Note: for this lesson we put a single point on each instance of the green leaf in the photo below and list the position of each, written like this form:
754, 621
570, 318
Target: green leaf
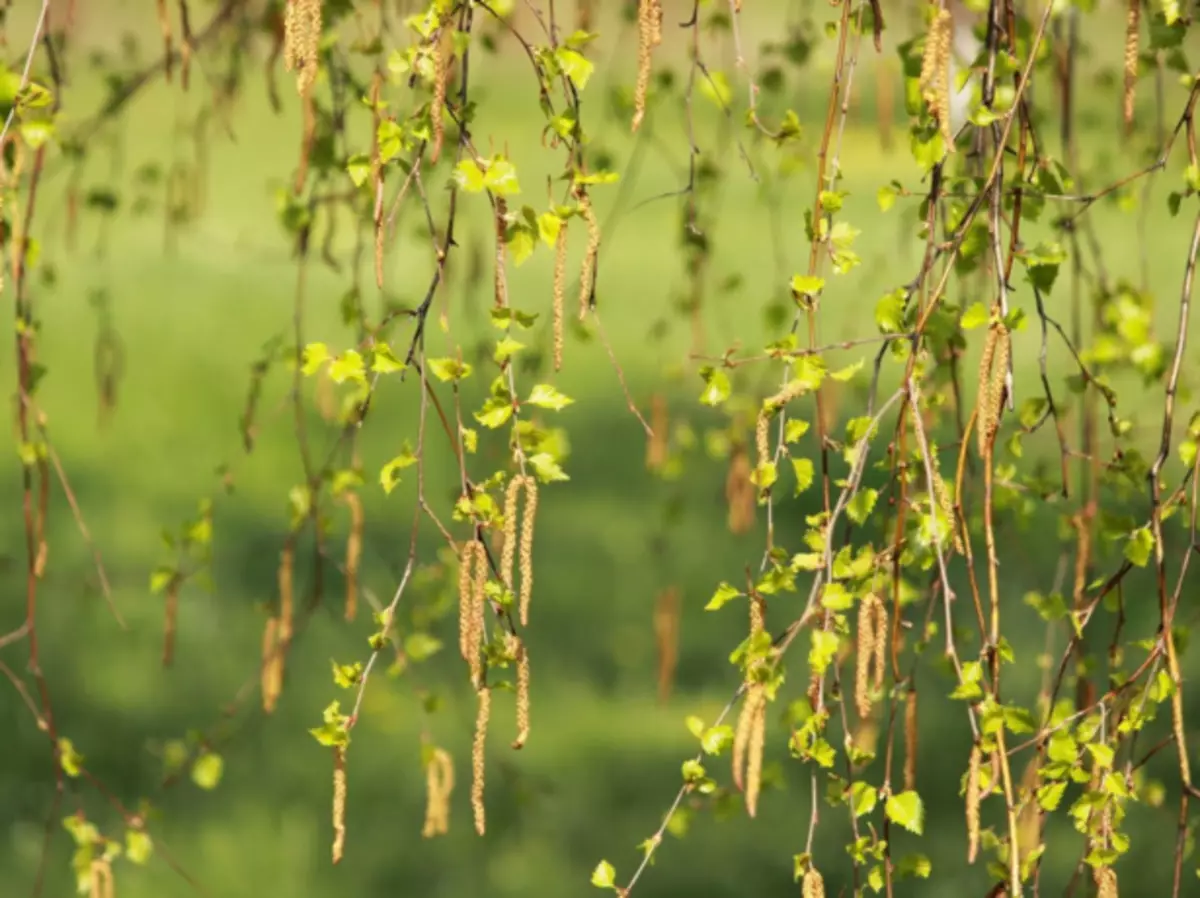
419, 646
907, 810
975, 316
859, 508
604, 876
1139, 546
70, 760
715, 88
549, 226
916, 865
347, 676
806, 285
863, 798
389, 475
138, 846
575, 66
348, 366
501, 177
889, 313
546, 396
824, 648
886, 197
449, 369
495, 411
725, 593
715, 740
505, 349
469, 176
803, 469
358, 167
835, 598
207, 770
546, 468
383, 361
312, 358
844, 374
716, 386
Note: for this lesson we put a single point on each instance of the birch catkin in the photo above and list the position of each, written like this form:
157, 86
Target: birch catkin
339, 802
560, 290
813, 885
518, 650
353, 552
477, 758
587, 271
649, 36
973, 797
439, 784
1132, 21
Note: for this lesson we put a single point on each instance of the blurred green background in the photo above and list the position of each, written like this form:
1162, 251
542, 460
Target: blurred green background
193, 312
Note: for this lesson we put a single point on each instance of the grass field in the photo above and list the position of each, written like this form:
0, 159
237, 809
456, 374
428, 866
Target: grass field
603, 761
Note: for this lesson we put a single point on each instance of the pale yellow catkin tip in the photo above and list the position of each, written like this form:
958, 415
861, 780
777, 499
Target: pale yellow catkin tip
864, 655
1132, 20
910, 741
973, 797
441, 73
526, 556
523, 674
560, 290
883, 638
354, 542
813, 885
761, 437
1106, 882
754, 751
508, 554
478, 750
649, 36
590, 252
339, 802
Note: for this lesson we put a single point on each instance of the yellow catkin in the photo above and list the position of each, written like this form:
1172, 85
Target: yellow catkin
754, 751
501, 284
910, 740
164, 23
466, 564
656, 446
739, 492
935, 73
741, 738
1106, 882
339, 802
526, 556
517, 649
813, 885
101, 883
560, 290
354, 543
941, 495
302, 38
478, 600
666, 638
584, 13
882, 639
864, 654
1132, 20
171, 619
649, 36
477, 758
508, 553
439, 784
437, 107
270, 673
761, 438
590, 252
287, 564
986, 417
973, 797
